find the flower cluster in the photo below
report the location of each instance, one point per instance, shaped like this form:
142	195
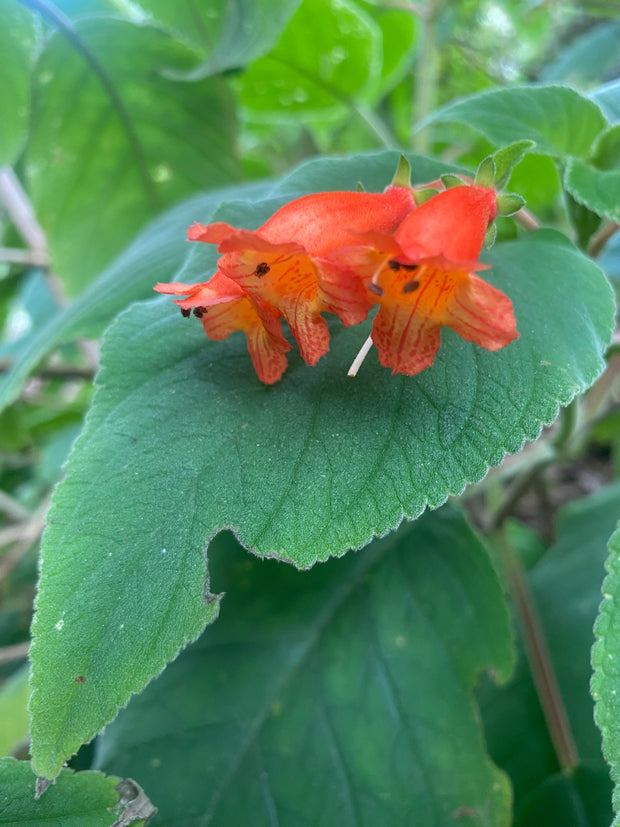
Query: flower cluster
344	253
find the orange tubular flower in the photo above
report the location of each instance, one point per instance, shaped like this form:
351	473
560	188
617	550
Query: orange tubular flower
422	278
223	307
283	267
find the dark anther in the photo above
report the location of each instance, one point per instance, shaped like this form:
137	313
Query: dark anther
411	286
186	312
199	312
396	266
374	288
262	269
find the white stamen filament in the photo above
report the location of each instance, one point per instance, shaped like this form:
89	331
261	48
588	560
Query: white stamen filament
357	362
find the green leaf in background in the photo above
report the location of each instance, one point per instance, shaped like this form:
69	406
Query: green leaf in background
340	696
557	118
606	678
14	713
588	58
329	56
85	799
148	141
232	34
598	190
608	98
565	587
17	40
563	800
597	184
302	470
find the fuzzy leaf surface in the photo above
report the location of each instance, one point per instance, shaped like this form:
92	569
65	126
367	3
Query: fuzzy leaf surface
557	118
605	660
85	799
297	706
303	470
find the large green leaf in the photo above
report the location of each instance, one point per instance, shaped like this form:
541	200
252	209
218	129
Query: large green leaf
557	118
231	34
565	587
329	54
606	678
17	38
183	441
106	155
340	696
85	799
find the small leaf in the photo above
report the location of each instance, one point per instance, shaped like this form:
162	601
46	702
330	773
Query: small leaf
507	158
490	235
449	180
402	176
485	174
306	682
85	799
509	203
421	196
558	119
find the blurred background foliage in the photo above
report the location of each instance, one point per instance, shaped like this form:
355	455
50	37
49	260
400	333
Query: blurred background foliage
111	111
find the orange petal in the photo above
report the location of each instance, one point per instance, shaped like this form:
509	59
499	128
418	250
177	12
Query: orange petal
326	220
451	224
482	314
266	344
283	277
406	342
211	233
215	291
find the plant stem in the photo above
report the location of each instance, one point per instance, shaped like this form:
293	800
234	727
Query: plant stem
427	70
55	371
10	653
600	238
539	659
